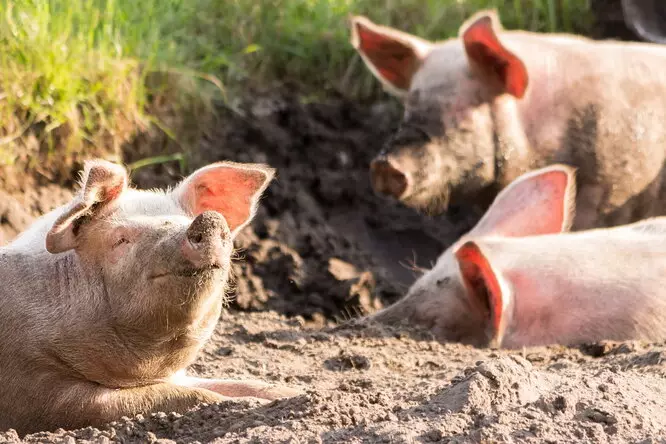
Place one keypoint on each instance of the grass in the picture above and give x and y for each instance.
(80, 75)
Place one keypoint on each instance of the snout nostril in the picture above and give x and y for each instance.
(207, 227)
(387, 179)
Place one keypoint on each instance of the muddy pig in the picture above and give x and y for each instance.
(490, 105)
(105, 301)
(518, 279)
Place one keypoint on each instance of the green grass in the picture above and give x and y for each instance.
(79, 74)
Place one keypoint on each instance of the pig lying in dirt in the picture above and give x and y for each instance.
(484, 108)
(105, 301)
(516, 280)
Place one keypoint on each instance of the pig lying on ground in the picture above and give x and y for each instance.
(105, 301)
(516, 280)
(486, 107)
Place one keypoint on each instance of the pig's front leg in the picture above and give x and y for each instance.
(88, 404)
(238, 389)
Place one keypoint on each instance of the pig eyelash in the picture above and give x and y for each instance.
(120, 241)
(442, 281)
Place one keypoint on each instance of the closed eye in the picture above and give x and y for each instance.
(120, 241)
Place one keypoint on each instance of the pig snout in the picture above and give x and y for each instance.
(387, 178)
(207, 242)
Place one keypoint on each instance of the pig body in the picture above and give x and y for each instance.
(484, 108)
(517, 280)
(605, 284)
(107, 300)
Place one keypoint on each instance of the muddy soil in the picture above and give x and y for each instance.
(323, 248)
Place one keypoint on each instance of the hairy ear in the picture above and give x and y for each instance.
(484, 290)
(229, 188)
(391, 55)
(102, 182)
(539, 202)
(490, 57)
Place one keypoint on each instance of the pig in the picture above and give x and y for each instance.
(485, 107)
(519, 278)
(106, 300)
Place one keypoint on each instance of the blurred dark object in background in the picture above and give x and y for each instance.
(642, 20)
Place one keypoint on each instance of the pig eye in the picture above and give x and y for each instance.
(120, 241)
(443, 281)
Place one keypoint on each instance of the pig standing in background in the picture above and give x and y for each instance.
(516, 279)
(105, 301)
(484, 108)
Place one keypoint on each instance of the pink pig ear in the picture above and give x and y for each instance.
(102, 182)
(538, 202)
(484, 290)
(391, 55)
(487, 54)
(229, 188)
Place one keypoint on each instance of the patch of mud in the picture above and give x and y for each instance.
(322, 244)
(386, 386)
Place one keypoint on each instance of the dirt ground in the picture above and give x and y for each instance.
(323, 249)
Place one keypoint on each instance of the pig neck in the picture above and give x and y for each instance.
(528, 130)
(79, 313)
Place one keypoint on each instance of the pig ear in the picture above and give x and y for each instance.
(102, 182)
(229, 188)
(487, 54)
(485, 293)
(392, 56)
(538, 202)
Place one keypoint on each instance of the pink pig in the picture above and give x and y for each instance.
(516, 279)
(490, 105)
(105, 301)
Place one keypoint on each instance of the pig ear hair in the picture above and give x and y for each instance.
(391, 55)
(229, 188)
(485, 292)
(487, 54)
(101, 183)
(539, 202)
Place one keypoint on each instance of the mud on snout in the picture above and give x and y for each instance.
(411, 169)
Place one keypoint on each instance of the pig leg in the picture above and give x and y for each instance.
(238, 389)
(87, 404)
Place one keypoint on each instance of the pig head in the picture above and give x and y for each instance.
(518, 279)
(485, 107)
(107, 300)
(540, 202)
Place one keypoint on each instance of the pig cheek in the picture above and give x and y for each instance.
(117, 254)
